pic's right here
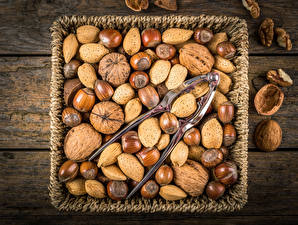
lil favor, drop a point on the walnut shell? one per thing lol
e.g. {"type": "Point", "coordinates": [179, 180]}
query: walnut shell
{"type": "Point", "coordinates": [192, 177]}
{"type": "Point", "coordinates": [107, 117]}
{"type": "Point", "coordinates": [196, 58]}
{"type": "Point", "coordinates": [114, 69]}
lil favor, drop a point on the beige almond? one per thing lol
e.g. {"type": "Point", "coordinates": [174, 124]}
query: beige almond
{"type": "Point", "coordinates": [195, 152]}
{"type": "Point", "coordinates": [152, 54]}
{"type": "Point", "coordinates": [123, 94]}
{"type": "Point", "coordinates": [163, 142]}
{"type": "Point", "coordinates": [159, 71]}
{"type": "Point", "coordinates": [211, 132]}
{"type": "Point", "coordinates": [218, 99]}
{"type": "Point", "coordinates": [132, 41]}
{"type": "Point", "coordinates": [176, 77]}
{"type": "Point", "coordinates": [76, 186]}
{"type": "Point", "coordinates": [92, 52]}
{"type": "Point", "coordinates": [200, 89]}
{"type": "Point", "coordinates": [132, 109]}
{"type": "Point", "coordinates": [87, 75]}
{"type": "Point", "coordinates": [184, 106]}
{"type": "Point", "coordinates": [217, 38]}
{"type": "Point", "coordinates": [224, 65]}
{"type": "Point", "coordinates": [172, 193]}
{"type": "Point", "coordinates": [179, 154]}
{"type": "Point", "coordinates": [131, 167]}
{"type": "Point", "coordinates": [109, 155]}
{"type": "Point", "coordinates": [176, 36]}
{"type": "Point", "coordinates": [149, 132]}
{"type": "Point", "coordinates": [95, 189]}
{"type": "Point", "coordinates": [225, 82]}
{"type": "Point", "coordinates": [70, 47]}
{"type": "Point", "coordinates": [113, 172]}
{"type": "Point", "coordinates": [87, 34]}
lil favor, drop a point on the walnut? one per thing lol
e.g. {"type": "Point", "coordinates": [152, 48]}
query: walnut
{"type": "Point", "coordinates": [114, 68]}
{"type": "Point", "coordinates": [107, 117]}
{"type": "Point", "coordinates": [166, 4]}
{"type": "Point", "coordinates": [279, 77]}
{"type": "Point", "coordinates": [253, 7]}
{"type": "Point", "coordinates": [266, 32]}
{"type": "Point", "coordinates": [283, 38]}
{"type": "Point", "coordinates": [137, 5]}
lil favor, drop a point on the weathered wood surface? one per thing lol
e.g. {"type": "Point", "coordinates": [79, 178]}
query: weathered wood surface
{"type": "Point", "coordinates": [25, 82]}
{"type": "Point", "coordinates": [25, 24]}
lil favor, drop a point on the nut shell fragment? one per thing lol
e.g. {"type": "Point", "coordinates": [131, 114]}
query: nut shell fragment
{"type": "Point", "coordinates": [253, 7]}
{"type": "Point", "coordinates": [283, 38]}
{"type": "Point", "coordinates": [279, 77]}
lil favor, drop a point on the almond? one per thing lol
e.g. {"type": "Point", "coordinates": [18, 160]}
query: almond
{"type": "Point", "coordinates": [172, 193]}
{"type": "Point", "coordinates": [92, 52]}
{"type": "Point", "coordinates": [159, 71]}
{"type": "Point", "coordinates": [163, 142]}
{"type": "Point", "coordinates": [131, 166]}
{"type": "Point", "coordinates": [95, 189]}
{"type": "Point", "coordinates": [113, 172]}
{"type": "Point", "coordinates": [132, 109]}
{"type": "Point", "coordinates": [184, 106]}
{"type": "Point", "coordinates": [200, 89]}
{"type": "Point", "coordinates": [176, 36]}
{"type": "Point", "coordinates": [149, 132]}
{"type": "Point", "coordinates": [176, 77]}
{"type": "Point", "coordinates": [87, 75]}
{"type": "Point", "coordinates": [211, 132]}
{"type": "Point", "coordinates": [195, 152]}
{"type": "Point", "coordinates": [218, 99]}
{"type": "Point", "coordinates": [225, 82]}
{"type": "Point", "coordinates": [76, 186]}
{"type": "Point", "coordinates": [87, 34]}
{"type": "Point", "coordinates": [152, 55]}
{"type": "Point", "coordinates": [109, 155]}
{"type": "Point", "coordinates": [217, 38]}
{"type": "Point", "coordinates": [123, 94]}
{"type": "Point", "coordinates": [70, 47]}
{"type": "Point", "coordinates": [224, 65]}
{"type": "Point", "coordinates": [179, 154]}
{"type": "Point", "coordinates": [132, 41]}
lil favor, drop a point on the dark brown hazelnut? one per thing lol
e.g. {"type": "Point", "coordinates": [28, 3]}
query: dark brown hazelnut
{"type": "Point", "coordinates": [164, 175]}
{"type": "Point", "coordinates": [226, 112]}
{"type": "Point", "coordinates": [215, 190]}
{"type": "Point", "coordinates": [71, 87]}
{"type": "Point", "coordinates": [88, 170]}
{"type": "Point", "coordinates": [226, 49]}
{"type": "Point", "coordinates": [84, 100]}
{"type": "Point", "coordinates": [192, 137]}
{"type": "Point", "coordinates": [132, 183]}
{"type": "Point", "coordinates": [148, 96]}
{"type": "Point", "coordinates": [150, 189]}
{"type": "Point", "coordinates": [130, 142]}
{"type": "Point", "coordinates": [138, 79]}
{"type": "Point", "coordinates": [71, 117]}
{"type": "Point", "coordinates": [68, 171]}
{"type": "Point", "coordinates": [162, 90]}
{"type": "Point", "coordinates": [70, 69]}
{"type": "Point", "coordinates": [225, 151]}
{"type": "Point", "coordinates": [117, 190]}
{"type": "Point", "coordinates": [102, 178]}
{"type": "Point", "coordinates": [148, 156]}
{"type": "Point", "coordinates": [211, 157]}
{"type": "Point", "coordinates": [140, 61]}
{"type": "Point", "coordinates": [226, 173]}
{"type": "Point", "coordinates": [151, 37]}
{"type": "Point", "coordinates": [110, 38]}
{"type": "Point", "coordinates": [203, 35]}
{"type": "Point", "coordinates": [168, 123]}
{"type": "Point", "coordinates": [229, 134]}
{"type": "Point", "coordinates": [165, 51]}
{"type": "Point", "coordinates": [175, 60]}
{"type": "Point", "coordinates": [103, 90]}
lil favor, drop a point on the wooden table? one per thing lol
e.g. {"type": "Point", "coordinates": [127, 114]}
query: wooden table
{"type": "Point", "coordinates": [24, 121]}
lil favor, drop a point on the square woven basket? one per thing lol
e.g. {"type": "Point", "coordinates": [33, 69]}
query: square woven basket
{"type": "Point", "coordinates": [235, 198]}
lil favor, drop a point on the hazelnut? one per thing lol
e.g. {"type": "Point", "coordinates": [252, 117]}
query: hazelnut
{"type": "Point", "coordinates": [68, 171]}
{"type": "Point", "coordinates": [71, 117]}
{"type": "Point", "coordinates": [71, 69]}
{"type": "Point", "coordinates": [211, 157]}
{"type": "Point", "coordinates": [138, 79]}
{"type": "Point", "coordinates": [140, 61]}
{"type": "Point", "coordinates": [225, 151]}
{"type": "Point", "coordinates": [175, 60]}
{"type": "Point", "coordinates": [150, 189]}
{"type": "Point", "coordinates": [84, 100]}
{"type": "Point", "coordinates": [165, 51]}
{"type": "Point", "coordinates": [71, 87]}
{"type": "Point", "coordinates": [162, 90]}
{"type": "Point", "coordinates": [131, 142]}
{"type": "Point", "coordinates": [203, 35]}
{"type": "Point", "coordinates": [88, 170]}
{"type": "Point", "coordinates": [148, 96]}
{"type": "Point", "coordinates": [132, 183]}
{"type": "Point", "coordinates": [103, 90]}
{"type": "Point", "coordinates": [226, 173]}
{"type": "Point", "coordinates": [169, 123]}
{"type": "Point", "coordinates": [148, 156]}
{"type": "Point", "coordinates": [229, 134]}
{"type": "Point", "coordinates": [164, 175]}
{"type": "Point", "coordinates": [215, 190]}
{"type": "Point", "coordinates": [110, 38]}
{"type": "Point", "coordinates": [226, 112]}
{"type": "Point", "coordinates": [102, 178]}
{"type": "Point", "coordinates": [192, 137]}
{"type": "Point", "coordinates": [226, 49]}
{"type": "Point", "coordinates": [151, 37]}
{"type": "Point", "coordinates": [117, 190]}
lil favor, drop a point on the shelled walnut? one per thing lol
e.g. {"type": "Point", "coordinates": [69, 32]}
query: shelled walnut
{"type": "Point", "coordinates": [266, 32]}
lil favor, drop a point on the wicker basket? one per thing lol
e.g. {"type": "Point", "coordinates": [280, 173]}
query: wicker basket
{"type": "Point", "coordinates": [235, 198]}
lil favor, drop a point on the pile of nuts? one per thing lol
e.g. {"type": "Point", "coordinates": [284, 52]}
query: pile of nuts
{"type": "Point", "coordinates": [112, 78]}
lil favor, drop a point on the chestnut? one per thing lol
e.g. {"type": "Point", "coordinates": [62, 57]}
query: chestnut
{"type": "Point", "coordinates": [140, 61]}
{"type": "Point", "coordinates": [149, 189]}
{"type": "Point", "coordinates": [169, 123]}
{"type": "Point", "coordinates": [192, 137]}
{"type": "Point", "coordinates": [148, 156]}
{"type": "Point", "coordinates": [138, 79]}
{"type": "Point", "coordinates": [103, 90]}
{"type": "Point", "coordinates": [131, 142]}
{"type": "Point", "coordinates": [203, 35]}
{"type": "Point", "coordinates": [110, 38]}
{"type": "Point", "coordinates": [226, 112]}
{"type": "Point", "coordinates": [226, 49]}
{"type": "Point", "coordinates": [71, 117]}
{"type": "Point", "coordinates": [70, 69]}
{"type": "Point", "coordinates": [165, 51]}
{"type": "Point", "coordinates": [215, 190]}
{"type": "Point", "coordinates": [229, 135]}
{"type": "Point", "coordinates": [224, 151]}
{"type": "Point", "coordinates": [84, 100]}
{"type": "Point", "coordinates": [226, 173]}
{"type": "Point", "coordinates": [88, 170]}
{"type": "Point", "coordinates": [68, 171]}
{"type": "Point", "coordinates": [148, 96]}
{"type": "Point", "coordinates": [117, 190]}
{"type": "Point", "coordinates": [211, 157]}
{"type": "Point", "coordinates": [175, 60]}
{"type": "Point", "coordinates": [151, 37]}
{"type": "Point", "coordinates": [164, 175]}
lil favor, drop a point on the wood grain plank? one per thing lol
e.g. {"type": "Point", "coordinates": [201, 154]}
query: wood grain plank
{"type": "Point", "coordinates": [24, 25]}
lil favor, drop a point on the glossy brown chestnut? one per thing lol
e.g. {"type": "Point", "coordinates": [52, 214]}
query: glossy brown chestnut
{"type": "Point", "coordinates": [226, 112]}
{"type": "Point", "coordinates": [110, 38]}
{"type": "Point", "coordinates": [138, 79]}
{"type": "Point", "coordinates": [130, 142]}
{"type": "Point", "coordinates": [117, 190]}
{"type": "Point", "coordinates": [151, 37]}
{"type": "Point", "coordinates": [229, 135]}
{"type": "Point", "coordinates": [211, 157]}
{"type": "Point", "coordinates": [175, 60]}
{"type": "Point", "coordinates": [88, 170]}
{"type": "Point", "coordinates": [203, 35]}
{"type": "Point", "coordinates": [226, 49]}
{"type": "Point", "coordinates": [169, 123]}
{"type": "Point", "coordinates": [165, 51]}
{"type": "Point", "coordinates": [164, 175]}
{"type": "Point", "coordinates": [225, 151]}
{"type": "Point", "coordinates": [84, 100]}
{"type": "Point", "coordinates": [148, 96]}
{"type": "Point", "coordinates": [215, 190]}
{"type": "Point", "coordinates": [103, 90]}
{"type": "Point", "coordinates": [140, 61]}
{"type": "Point", "coordinates": [148, 156]}
{"type": "Point", "coordinates": [68, 171]}
{"type": "Point", "coordinates": [226, 173]}
{"type": "Point", "coordinates": [71, 117]}
{"type": "Point", "coordinates": [192, 137]}
{"type": "Point", "coordinates": [150, 189]}
{"type": "Point", "coordinates": [70, 69]}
